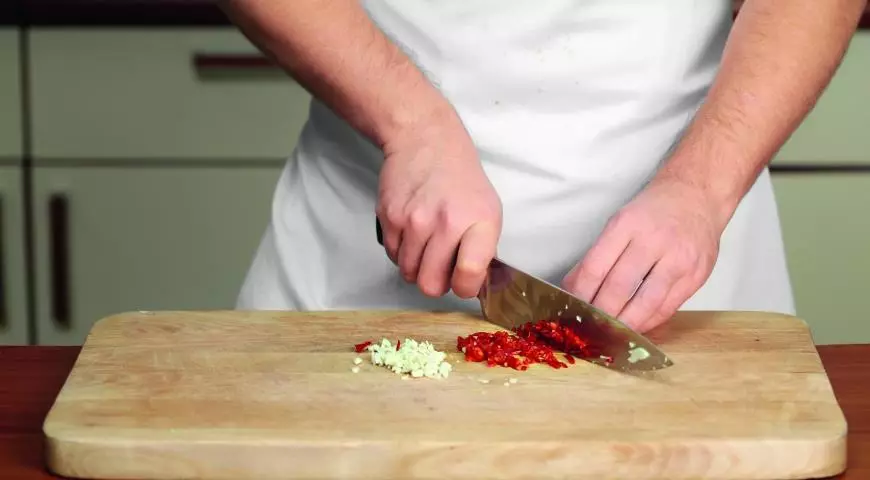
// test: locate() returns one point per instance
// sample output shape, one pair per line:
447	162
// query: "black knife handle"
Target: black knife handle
379	231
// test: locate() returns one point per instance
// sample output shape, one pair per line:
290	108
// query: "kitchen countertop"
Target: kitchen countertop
139	13
31	377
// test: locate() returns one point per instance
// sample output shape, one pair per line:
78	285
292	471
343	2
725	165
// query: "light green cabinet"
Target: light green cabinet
10	95
113	93
113	239
13	280
835	132
155	165
13	287
826	228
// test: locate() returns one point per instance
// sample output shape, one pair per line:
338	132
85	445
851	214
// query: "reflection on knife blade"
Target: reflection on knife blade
511	298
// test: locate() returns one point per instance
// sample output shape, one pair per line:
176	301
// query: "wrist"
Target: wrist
716	194
433	124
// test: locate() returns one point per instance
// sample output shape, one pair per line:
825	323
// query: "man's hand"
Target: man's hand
779	58
663	245
434	197
437	206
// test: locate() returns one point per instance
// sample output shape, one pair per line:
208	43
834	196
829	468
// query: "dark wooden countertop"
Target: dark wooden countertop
31	377
137	13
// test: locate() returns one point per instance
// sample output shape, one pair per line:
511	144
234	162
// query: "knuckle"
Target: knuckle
420	220
450	220
620	219
592	270
394	216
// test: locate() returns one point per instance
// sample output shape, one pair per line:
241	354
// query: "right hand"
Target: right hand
436	205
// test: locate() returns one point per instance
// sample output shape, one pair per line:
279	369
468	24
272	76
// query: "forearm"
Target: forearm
335	51
778	60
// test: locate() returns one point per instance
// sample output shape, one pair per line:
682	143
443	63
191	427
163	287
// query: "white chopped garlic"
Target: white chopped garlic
355	369
357	361
417	359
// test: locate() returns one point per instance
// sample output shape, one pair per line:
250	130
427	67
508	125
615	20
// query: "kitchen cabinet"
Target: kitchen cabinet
155	161
13	285
124	237
10	95
13	274
184	94
835	130
826	229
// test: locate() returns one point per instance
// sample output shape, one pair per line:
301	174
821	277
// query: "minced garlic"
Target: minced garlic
417	359
636	354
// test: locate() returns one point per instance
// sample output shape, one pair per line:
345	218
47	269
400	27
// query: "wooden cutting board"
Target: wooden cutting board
271	395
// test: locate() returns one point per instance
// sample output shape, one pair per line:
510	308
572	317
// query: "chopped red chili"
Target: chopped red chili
361	346
398	344
531	343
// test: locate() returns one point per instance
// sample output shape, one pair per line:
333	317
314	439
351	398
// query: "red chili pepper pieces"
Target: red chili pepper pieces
361	346
531	343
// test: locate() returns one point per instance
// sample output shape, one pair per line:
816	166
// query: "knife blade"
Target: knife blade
511	297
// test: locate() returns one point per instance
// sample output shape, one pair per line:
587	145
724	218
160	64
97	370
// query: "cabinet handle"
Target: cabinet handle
58	218
231	61
4	312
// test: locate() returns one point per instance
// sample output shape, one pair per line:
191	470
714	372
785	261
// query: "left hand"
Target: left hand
666	241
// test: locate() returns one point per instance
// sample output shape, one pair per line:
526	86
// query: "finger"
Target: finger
392	234
648	300
476	250
414	239
624	278
677	295
585	279
437	261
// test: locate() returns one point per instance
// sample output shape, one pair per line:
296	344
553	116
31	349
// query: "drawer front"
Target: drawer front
835	132
160	93
10	95
826	231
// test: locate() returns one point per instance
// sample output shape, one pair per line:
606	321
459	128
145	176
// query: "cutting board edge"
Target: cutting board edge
400	311
102	459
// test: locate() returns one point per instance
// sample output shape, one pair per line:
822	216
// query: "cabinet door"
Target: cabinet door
13	287
114	239
10	95
826	229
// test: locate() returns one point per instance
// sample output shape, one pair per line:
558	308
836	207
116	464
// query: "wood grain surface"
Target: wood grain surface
272	395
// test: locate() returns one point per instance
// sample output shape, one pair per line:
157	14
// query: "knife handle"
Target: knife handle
379	231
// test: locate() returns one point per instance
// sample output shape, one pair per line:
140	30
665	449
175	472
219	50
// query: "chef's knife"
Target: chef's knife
510	298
